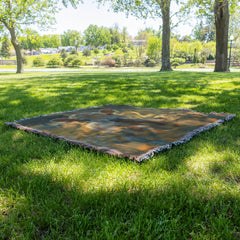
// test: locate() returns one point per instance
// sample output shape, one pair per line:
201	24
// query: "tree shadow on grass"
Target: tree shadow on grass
43	205
109	198
39	95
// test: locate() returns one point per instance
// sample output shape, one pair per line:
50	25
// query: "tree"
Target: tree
31	41
5	49
51	41
115	35
205	32
97	36
72	38
154	48
144	9
15	15
124	35
234	25
144	35
221	10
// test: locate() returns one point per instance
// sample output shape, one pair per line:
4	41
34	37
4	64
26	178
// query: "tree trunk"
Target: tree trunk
17	48
221	12
165	8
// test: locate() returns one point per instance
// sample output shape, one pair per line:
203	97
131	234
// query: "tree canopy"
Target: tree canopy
17	15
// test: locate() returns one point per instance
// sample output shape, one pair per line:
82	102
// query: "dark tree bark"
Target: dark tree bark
165	9
221	12
17	48
16	45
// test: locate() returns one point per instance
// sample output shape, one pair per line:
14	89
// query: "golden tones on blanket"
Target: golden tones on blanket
123	130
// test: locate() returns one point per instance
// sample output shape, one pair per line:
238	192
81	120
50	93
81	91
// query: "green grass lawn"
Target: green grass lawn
52	190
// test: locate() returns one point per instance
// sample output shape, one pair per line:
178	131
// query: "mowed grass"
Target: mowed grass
52	190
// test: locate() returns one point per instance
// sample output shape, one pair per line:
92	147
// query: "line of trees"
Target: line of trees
93	36
15	15
219	9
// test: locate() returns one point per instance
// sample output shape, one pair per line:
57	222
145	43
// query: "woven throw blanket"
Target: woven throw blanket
123	130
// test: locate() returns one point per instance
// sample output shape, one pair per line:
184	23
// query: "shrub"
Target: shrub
63	54
175	64
150	62
68	60
203	59
138	62
178	60
115	46
118	52
109	61
126	59
109	48
76	62
96	50
119	60
74	51
97	62
54	62
24	60
86	52
38	62
105	52
125	50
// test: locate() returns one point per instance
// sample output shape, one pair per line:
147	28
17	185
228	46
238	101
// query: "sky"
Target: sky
88	13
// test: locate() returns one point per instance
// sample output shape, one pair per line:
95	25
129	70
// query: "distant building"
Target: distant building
137	43
48	50
67	48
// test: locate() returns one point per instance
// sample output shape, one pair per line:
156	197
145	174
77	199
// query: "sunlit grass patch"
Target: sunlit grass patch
52	190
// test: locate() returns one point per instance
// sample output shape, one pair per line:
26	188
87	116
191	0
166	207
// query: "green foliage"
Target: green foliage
24	60
109	47
178	60
74	51
5	49
145	35
31	40
77	62
96	50
71	38
86	52
97	62
51	41
115	47
175	64
118	52
38	62
154	48
109	62
68	60
192	50
63	54
54	62
119	60
52	190
205	33
125	50
115	35
150	62
105	51
97	36
73	61
138	62
17	14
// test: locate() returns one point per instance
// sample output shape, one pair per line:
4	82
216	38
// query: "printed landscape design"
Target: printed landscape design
123	130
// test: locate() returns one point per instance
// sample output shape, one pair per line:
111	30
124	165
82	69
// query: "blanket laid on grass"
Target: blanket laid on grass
123	130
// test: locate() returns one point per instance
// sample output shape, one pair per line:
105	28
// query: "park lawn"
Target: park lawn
52	190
